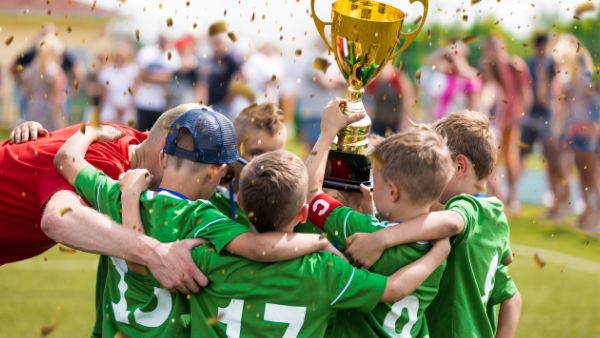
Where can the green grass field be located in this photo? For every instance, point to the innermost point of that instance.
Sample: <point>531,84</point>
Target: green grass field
<point>56,288</point>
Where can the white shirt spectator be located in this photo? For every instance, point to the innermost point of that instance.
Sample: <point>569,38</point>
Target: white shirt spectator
<point>118,106</point>
<point>153,96</point>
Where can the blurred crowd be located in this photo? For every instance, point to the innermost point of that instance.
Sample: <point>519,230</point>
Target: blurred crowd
<point>548,101</point>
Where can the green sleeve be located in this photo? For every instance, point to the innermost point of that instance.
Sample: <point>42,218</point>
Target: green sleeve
<point>467,207</point>
<point>352,288</point>
<point>343,222</point>
<point>202,255</point>
<point>222,202</point>
<point>504,286</point>
<point>216,228</point>
<point>101,192</point>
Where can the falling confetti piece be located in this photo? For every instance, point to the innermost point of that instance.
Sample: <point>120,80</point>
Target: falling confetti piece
<point>94,5</point>
<point>418,75</point>
<point>232,36</point>
<point>137,34</point>
<point>169,22</point>
<point>465,18</point>
<point>9,40</point>
<point>63,211</point>
<point>121,335</point>
<point>169,55</point>
<point>82,128</point>
<point>584,8</point>
<point>539,262</point>
<point>75,84</point>
<point>475,2</point>
<point>69,29</point>
<point>243,148</point>
<point>470,39</point>
<point>253,17</point>
<point>321,64</point>
<point>417,20</point>
<point>66,250</point>
<point>47,329</point>
<point>95,120</point>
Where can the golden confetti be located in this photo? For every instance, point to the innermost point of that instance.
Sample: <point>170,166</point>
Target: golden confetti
<point>94,5</point>
<point>82,128</point>
<point>469,39</point>
<point>169,55</point>
<point>584,8</point>
<point>465,18</point>
<point>321,64</point>
<point>253,17</point>
<point>298,52</point>
<point>120,335</point>
<point>95,120</point>
<point>538,261</point>
<point>475,2</point>
<point>63,211</point>
<point>418,75</point>
<point>232,36</point>
<point>137,34</point>
<point>9,40</point>
<point>169,22</point>
<point>69,29</point>
<point>417,20</point>
<point>243,148</point>
<point>130,91</point>
<point>47,329</point>
<point>66,249</point>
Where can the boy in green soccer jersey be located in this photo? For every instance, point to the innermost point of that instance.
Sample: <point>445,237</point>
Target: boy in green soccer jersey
<point>297,297</point>
<point>259,128</point>
<point>480,232</point>
<point>198,147</point>
<point>410,172</point>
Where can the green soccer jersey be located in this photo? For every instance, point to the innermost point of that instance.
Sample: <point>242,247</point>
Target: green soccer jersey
<point>135,304</point>
<point>288,299</point>
<point>226,204</point>
<point>460,309</point>
<point>404,318</point>
<point>504,288</point>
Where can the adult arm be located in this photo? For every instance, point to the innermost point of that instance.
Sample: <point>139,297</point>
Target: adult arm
<point>404,281</point>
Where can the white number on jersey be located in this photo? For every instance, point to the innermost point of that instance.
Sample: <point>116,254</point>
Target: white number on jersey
<point>411,304</point>
<point>154,318</point>
<point>231,316</point>
<point>489,280</point>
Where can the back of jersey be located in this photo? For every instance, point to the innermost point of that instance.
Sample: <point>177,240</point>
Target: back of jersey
<point>287,299</point>
<point>405,318</point>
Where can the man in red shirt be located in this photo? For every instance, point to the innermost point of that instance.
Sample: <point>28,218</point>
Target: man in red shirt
<point>39,208</point>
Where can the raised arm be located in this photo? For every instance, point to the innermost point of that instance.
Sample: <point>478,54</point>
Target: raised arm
<point>69,159</point>
<point>404,281</point>
<point>365,248</point>
<point>331,122</point>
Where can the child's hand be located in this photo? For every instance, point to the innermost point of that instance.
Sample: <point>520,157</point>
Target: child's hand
<point>134,182</point>
<point>364,249</point>
<point>333,118</point>
<point>27,131</point>
<point>360,201</point>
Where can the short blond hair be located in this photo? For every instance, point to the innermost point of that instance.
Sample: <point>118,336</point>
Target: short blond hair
<point>265,116</point>
<point>469,133</point>
<point>273,188</point>
<point>166,119</point>
<point>418,161</point>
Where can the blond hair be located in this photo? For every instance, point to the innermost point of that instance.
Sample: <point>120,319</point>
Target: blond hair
<point>166,119</point>
<point>258,117</point>
<point>469,133</point>
<point>418,161</point>
<point>273,188</point>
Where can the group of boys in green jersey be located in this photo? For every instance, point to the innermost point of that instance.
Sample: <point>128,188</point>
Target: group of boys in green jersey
<point>416,273</point>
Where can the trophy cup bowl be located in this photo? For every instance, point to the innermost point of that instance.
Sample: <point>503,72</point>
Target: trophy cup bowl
<point>365,35</point>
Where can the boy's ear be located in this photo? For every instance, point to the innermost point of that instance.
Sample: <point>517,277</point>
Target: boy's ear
<point>162,159</point>
<point>395,190</point>
<point>217,171</point>
<point>302,215</point>
<point>462,165</point>
<point>238,199</point>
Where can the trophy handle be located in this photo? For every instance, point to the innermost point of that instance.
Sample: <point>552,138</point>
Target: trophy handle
<point>321,24</point>
<point>410,37</point>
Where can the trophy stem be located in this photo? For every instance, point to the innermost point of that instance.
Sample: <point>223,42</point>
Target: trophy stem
<point>353,139</point>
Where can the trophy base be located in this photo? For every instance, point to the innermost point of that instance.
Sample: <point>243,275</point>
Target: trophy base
<point>347,171</point>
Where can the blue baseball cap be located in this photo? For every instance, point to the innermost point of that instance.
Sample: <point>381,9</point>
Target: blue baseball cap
<point>213,134</point>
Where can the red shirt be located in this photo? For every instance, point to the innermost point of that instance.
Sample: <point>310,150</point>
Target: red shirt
<point>28,179</point>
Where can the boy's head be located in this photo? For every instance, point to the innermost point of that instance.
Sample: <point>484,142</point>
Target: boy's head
<point>473,147</point>
<point>273,190</point>
<point>410,168</point>
<point>259,128</point>
<point>198,147</point>
<point>540,43</point>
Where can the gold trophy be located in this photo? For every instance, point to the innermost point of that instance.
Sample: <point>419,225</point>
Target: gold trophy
<point>365,35</point>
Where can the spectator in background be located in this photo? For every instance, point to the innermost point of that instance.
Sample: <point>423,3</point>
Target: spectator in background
<point>118,82</point>
<point>157,65</point>
<point>536,124</point>
<point>577,119</point>
<point>184,87</point>
<point>392,98</point>
<point>44,82</point>
<point>263,71</point>
<point>513,97</point>
<point>448,82</point>
<point>219,72</point>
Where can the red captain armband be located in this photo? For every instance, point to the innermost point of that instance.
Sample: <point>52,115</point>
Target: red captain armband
<point>320,207</point>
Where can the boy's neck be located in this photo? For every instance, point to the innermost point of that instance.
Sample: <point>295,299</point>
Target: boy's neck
<point>181,185</point>
<point>406,211</point>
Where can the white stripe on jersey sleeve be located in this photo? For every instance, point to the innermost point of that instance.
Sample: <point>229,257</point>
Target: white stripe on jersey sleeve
<point>345,287</point>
